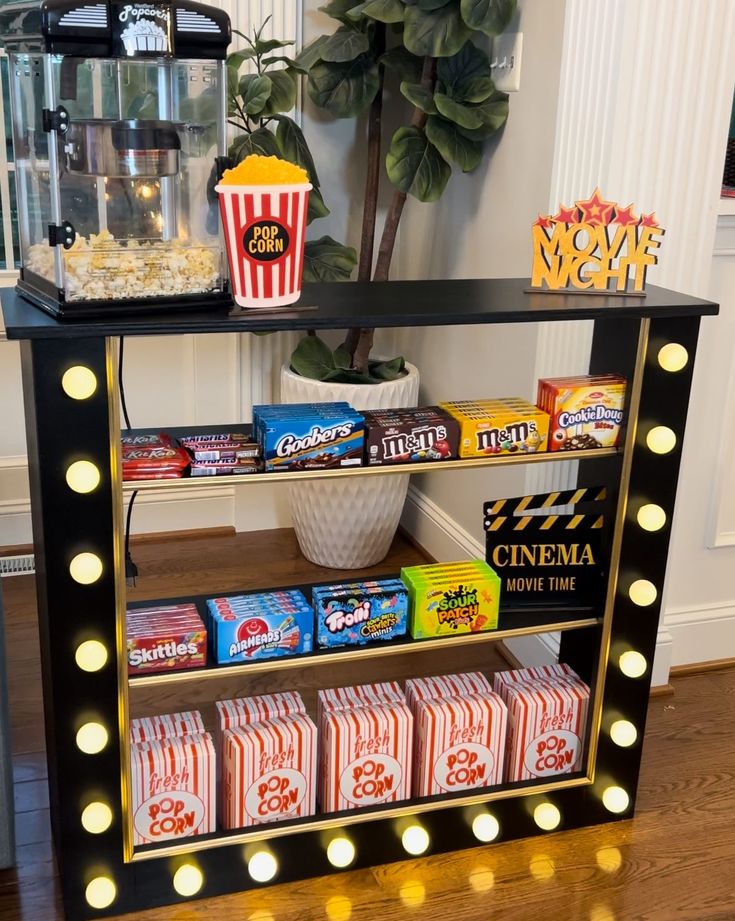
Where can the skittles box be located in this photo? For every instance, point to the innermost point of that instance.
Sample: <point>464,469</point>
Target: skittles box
<point>586,411</point>
<point>448,599</point>
<point>399,436</point>
<point>264,625</point>
<point>309,436</point>
<point>165,638</point>
<point>360,612</point>
<point>508,425</point>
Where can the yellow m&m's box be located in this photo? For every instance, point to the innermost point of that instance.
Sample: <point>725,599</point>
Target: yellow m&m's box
<point>506,425</point>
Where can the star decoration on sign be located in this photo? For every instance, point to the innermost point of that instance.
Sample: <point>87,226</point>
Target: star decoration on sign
<point>543,221</point>
<point>625,216</point>
<point>649,220</point>
<point>566,215</point>
<point>596,210</point>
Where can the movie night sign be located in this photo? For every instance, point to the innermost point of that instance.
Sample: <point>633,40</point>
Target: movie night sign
<point>595,245</point>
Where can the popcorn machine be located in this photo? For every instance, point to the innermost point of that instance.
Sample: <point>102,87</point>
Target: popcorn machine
<point>119,125</point>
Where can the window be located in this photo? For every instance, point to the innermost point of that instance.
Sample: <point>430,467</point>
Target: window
<point>9,248</point>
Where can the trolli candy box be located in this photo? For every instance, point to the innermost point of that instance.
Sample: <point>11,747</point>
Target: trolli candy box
<point>309,436</point>
<point>586,411</point>
<point>269,771</point>
<point>367,755</point>
<point>507,425</point>
<point>395,436</point>
<point>173,788</point>
<point>359,613</point>
<point>167,725</point>
<point>452,599</point>
<point>546,725</point>
<point>163,638</point>
<point>260,626</point>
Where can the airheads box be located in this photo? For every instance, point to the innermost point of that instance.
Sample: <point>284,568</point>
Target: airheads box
<point>248,627</point>
<point>309,436</point>
<point>360,613</point>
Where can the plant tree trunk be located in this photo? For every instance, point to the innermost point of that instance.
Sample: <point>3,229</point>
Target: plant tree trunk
<point>370,207</point>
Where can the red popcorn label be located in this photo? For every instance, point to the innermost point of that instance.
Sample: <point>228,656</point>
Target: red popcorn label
<point>169,816</point>
<point>275,795</point>
<point>462,766</point>
<point>370,779</point>
<point>552,752</point>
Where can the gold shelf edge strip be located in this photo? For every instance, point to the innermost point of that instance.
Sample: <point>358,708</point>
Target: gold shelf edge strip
<point>395,470</point>
<point>270,665</point>
<point>271,831</point>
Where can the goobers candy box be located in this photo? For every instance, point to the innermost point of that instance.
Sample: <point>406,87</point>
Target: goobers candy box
<point>366,748</point>
<point>269,771</point>
<point>360,612</point>
<point>586,411</point>
<point>547,717</point>
<point>309,436</point>
<point>173,782</point>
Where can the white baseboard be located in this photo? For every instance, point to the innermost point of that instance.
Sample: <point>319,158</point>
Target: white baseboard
<point>701,634</point>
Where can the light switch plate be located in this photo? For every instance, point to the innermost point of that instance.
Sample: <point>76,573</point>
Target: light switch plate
<point>505,61</point>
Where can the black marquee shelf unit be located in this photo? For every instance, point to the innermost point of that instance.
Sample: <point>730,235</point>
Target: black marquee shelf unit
<point>629,333</point>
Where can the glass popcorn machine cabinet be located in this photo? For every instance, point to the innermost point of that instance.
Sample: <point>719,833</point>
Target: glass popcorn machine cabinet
<point>119,127</point>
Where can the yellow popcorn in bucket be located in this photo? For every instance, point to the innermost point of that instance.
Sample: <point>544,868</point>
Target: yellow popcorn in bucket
<point>258,170</point>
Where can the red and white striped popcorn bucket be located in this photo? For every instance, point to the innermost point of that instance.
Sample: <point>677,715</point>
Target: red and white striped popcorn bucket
<point>265,231</point>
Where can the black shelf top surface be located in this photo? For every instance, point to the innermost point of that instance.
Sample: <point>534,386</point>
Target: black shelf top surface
<point>462,302</point>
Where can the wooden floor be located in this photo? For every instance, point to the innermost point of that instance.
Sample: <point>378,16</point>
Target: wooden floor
<point>674,862</point>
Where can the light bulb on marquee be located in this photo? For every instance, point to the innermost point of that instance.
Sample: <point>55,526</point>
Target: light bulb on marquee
<point>415,840</point>
<point>91,738</point>
<point>85,568</point>
<point>96,818</point>
<point>79,382</point>
<point>91,655</point>
<point>673,357</point>
<point>643,593</point>
<point>546,816</point>
<point>632,664</point>
<point>615,799</point>
<point>661,439</point>
<point>188,879</point>
<point>82,476</point>
<point>262,866</point>
<point>340,852</point>
<point>623,733</point>
<point>651,517</point>
<point>485,827</point>
<point>100,892</point>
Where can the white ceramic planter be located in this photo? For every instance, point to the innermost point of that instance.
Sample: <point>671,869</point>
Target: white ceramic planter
<point>349,524</point>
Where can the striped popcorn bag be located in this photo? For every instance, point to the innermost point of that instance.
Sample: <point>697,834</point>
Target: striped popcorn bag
<point>167,725</point>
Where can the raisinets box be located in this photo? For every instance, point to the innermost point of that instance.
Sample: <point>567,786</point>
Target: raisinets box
<point>360,612</point>
<point>586,411</point>
<point>309,436</point>
<point>397,436</point>
<point>506,425</point>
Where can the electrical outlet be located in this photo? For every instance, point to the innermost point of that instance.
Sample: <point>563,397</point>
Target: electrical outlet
<point>505,61</point>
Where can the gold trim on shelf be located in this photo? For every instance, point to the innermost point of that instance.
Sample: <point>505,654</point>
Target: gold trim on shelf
<point>469,463</point>
<point>272,830</point>
<point>198,675</point>
<point>617,542</point>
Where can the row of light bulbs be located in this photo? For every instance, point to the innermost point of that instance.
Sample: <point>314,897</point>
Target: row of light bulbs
<point>91,655</point>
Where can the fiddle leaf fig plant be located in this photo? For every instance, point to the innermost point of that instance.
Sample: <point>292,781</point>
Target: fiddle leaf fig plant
<point>427,53</point>
<point>257,105</point>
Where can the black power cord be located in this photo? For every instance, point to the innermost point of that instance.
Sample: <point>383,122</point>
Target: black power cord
<point>131,570</point>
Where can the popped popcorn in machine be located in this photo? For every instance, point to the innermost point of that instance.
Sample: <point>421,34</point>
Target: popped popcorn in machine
<point>119,126</point>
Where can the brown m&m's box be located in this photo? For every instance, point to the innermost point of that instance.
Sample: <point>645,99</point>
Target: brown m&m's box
<point>397,436</point>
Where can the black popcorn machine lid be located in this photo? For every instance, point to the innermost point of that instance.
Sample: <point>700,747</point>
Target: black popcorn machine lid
<point>116,29</point>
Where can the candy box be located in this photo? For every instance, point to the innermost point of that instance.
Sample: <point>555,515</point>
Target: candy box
<point>546,726</point>
<point>295,437</point>
<point>167,725</point>
<point>446,604</point>
<point>504,427</point>
<point>269,771</point>
<point>172,788</point>
<point>355,615</point>
<point>586,412</point>
<point>460,742</point>
<point>159,639</point>
<point>221,447</point>
<point>366,755</point>
<point>403,435</point>
<point>226,466</point>
<point>260,632</point>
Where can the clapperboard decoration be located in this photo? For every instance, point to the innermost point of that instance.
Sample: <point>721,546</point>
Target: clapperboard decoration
<point>544,557</point>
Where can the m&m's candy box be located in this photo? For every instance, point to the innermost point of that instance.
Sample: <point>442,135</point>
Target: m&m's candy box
<point>448,599</point>
<point>506,425</point>
<point>397,436</point>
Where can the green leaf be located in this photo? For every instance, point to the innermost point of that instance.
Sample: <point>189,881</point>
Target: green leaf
<point>408,66</point>
<point>419,96</point>
<point>493,111</point>
<point>345,90</point>
<point>255,92</point>
<point>384,10</point>
<point>283,93</point>
<point>388,370</point>
<point>238,58</point>
<point>316,208</point>
<point>279,59</point>
<point>415,166</point>
<point>308,56</point>
<point>346,44</point>
<point>456,112</point>
<point>261,142</point>
<point>436,34</point>
<point>488,16</point>
<point>466,75</point>
<point>327,260</point>
<point>342,358</point>
<point>294,148</point>
<point>456,149</point>
<point>429,5</point>
<point>312,358</point>
<point>144,105</point>
<point>263,46</point>
<point>340,9</point>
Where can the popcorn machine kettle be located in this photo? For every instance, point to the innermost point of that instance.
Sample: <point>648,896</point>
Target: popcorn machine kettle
<point>119,126</point>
